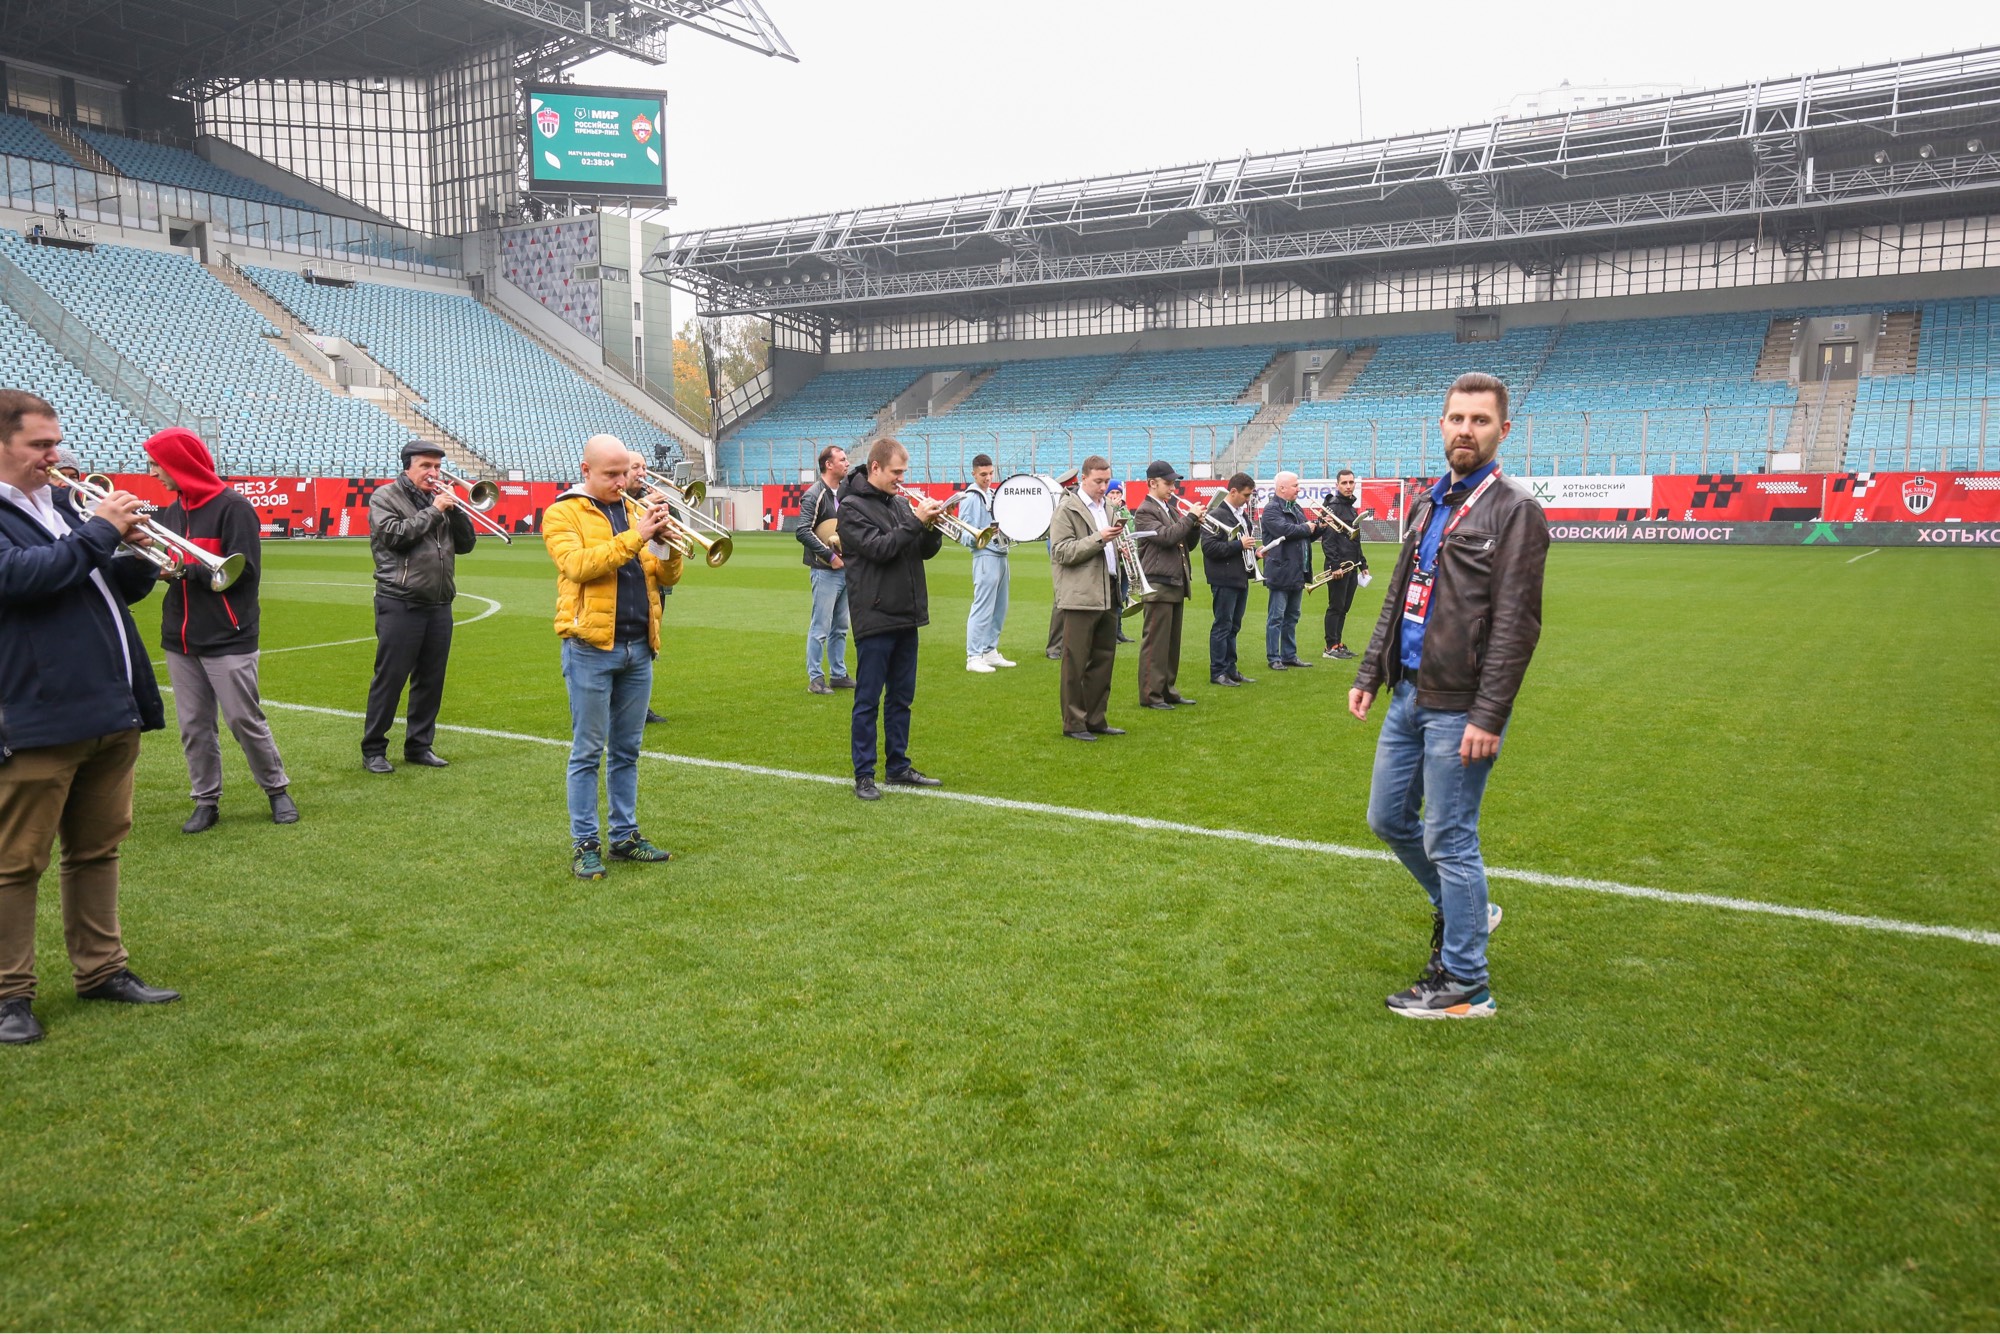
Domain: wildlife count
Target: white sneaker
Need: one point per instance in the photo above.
(1493, 916)
(993, 659)
(978, 665)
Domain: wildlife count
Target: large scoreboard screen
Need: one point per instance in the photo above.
(596, 141)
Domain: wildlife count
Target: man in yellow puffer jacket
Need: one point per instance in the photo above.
(611, 563)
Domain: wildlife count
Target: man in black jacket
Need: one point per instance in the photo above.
(1460, 620)
(1342, 547)
(826, 632)
(885, 543)
(1288, 538)
(416, 530)
(211, 637)
(1226, 562)
(75, 692)
(1167, 533)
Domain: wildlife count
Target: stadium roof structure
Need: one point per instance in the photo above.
(1787, 159)
(204, 48)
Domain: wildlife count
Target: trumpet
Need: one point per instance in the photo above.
(1206, 518)
(479, 498)
(1327, 517)
(1331, 573)
(689, 529)
(172, 554)
(960, 530)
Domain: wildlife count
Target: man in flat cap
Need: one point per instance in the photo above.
(416, 530)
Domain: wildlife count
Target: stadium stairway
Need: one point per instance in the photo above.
(1774, 360)
(397, 407)
(74, 144)
(1272, 417)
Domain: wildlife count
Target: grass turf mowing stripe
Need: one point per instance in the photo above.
(1825, 916)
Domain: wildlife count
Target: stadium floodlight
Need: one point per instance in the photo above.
(1927, 152)
(1881, 157)
(1975, 145)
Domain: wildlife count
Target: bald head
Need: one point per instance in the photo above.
(605, 463)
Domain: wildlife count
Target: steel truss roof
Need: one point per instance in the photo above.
(1650, 171)
(203, 48)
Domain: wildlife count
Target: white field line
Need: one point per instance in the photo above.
(491, 608)
(1864, 555)
(1584, 884)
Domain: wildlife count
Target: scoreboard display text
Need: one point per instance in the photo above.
(596, 141)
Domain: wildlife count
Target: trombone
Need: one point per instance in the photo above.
(479, 498)
(173, 554)
(688, 527)
(960, 530)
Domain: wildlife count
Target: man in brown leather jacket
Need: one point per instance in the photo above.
(1165, 534)
(1460, 620)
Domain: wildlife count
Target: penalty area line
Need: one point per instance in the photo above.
(1864, 555)
(1825, 916)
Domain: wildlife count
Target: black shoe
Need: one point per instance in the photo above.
(1081, 736)
(283, 809)
(206, 813)
(1108, 731)
(652, 717)
(1124, 638)
(377, 764)
(842, 683)
(865, 789)
(1299, 662)
(18, 1022)
(1156, 704)
(911, 778)
(1220, 680)
(1276, 666)
(1179, 699)
(125, 987)
(1054, 655)
(1242, 680)
(426, 759)
(818, 688)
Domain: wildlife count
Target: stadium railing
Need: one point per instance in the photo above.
(34, 186)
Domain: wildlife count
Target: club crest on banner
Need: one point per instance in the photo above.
(548, 122)
(642, 129)
(1918, 493)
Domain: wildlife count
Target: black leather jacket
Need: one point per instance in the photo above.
(1486, 609)
(415, 543)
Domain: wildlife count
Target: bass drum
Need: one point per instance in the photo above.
(1024, 505)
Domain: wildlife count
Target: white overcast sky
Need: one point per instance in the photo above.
(896, 100)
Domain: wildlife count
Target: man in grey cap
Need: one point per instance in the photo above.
(416, 531)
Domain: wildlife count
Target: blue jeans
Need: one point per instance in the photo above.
(1229, 604)
(989, 605)
(1281, 642)
(608, 689)
(828, 632)
(888, 661)
(1417, 765)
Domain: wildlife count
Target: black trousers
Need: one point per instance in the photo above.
(412, 644)
(887, 665)
(1229, 604)
(1339, 597)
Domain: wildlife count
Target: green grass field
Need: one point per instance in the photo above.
(929, 1063)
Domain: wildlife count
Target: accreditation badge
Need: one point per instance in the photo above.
(1417, 596)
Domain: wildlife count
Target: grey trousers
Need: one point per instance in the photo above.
(200, 686)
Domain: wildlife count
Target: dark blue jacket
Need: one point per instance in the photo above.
(1291, 564)
(60, 675)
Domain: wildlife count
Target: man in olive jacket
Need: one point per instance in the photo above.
(1168, 533)
(885, 542)
(1086, 573)
(1460, 620)
(416, 531)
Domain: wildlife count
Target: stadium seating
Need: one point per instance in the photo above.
(834, 409)
(178, 324)
(103, 434)
(1933, 417)
(482, 380)
(177, 166)
(19, 137)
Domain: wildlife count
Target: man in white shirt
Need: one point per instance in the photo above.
(68, 742)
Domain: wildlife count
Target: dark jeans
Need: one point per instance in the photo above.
(887, 661)
(1229, 604)
(413, 644)
(1339, 597)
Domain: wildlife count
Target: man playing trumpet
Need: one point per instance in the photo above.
(611, 561)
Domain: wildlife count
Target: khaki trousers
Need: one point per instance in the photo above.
(1089, 650)
(1160, 651)
(83, 792)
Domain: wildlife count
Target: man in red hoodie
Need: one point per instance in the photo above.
(211, 637)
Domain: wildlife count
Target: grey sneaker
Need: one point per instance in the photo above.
(1439, 995)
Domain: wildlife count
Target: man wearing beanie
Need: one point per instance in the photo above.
(417, 532)
(211, 637)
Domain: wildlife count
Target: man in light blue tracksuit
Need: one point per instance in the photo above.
(989, 575)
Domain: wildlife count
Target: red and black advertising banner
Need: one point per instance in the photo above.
(338, 506)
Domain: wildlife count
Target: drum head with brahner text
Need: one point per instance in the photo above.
(1024, 505)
